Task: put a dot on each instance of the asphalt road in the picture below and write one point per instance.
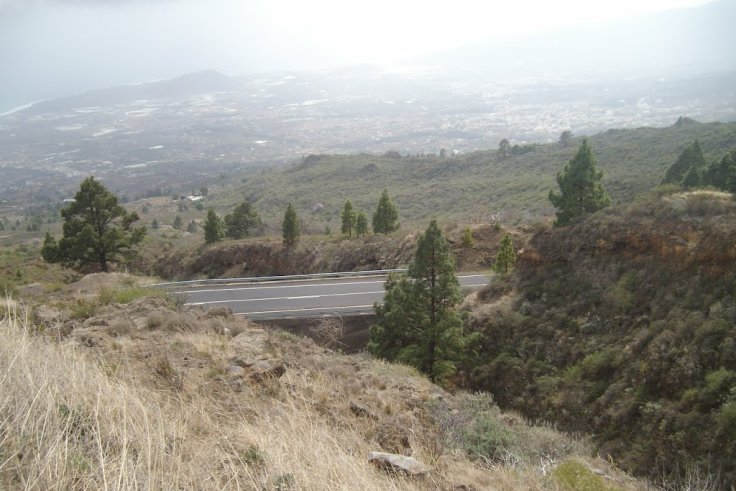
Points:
(301, 298)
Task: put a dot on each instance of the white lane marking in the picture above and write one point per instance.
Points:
(307, 286)
(302, 297)
(326, 310)
(283, 298)
(283, 286)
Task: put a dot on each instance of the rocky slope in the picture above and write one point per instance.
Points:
(624, 326)
(111, 389)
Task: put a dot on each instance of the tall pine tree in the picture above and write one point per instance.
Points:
(419, 323)
(213, 227)
(242, 222)
(693, 178)
(96, 229)
(348, 219)
(581, 191)
(691, 157)
(722, 174)
(505, 257)
(361, 224)
(290, 227)
(385, 219)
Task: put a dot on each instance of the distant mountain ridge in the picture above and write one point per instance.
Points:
(190, 84)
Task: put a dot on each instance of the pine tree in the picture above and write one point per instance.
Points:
(419, 323)
(213, 227)
(242, 222)
(290, 227)
(505, 257)
(348, 219)
(361, 224)
(504, 147)
(693, 178)
(722, 174)
(581, 190)
(565, 138)
(154, 224)
(691, 156)
(96, 229)
(467, 240)
(177, 223)
(50, 249)
(385, 219)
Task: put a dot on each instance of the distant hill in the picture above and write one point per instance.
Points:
(467, 187)
(188, 85)
(675, 41)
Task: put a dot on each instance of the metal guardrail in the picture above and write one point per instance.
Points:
(265, 279)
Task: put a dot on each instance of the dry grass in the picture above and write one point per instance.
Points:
(66, 424)
(136, 404)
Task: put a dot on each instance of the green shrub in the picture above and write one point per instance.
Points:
(726, 420)
(710, 333)
(718, 386)
(601, 364)
(486, 437)
(467, 240)
(83, 308)
(7, 287)
(574, 476)
(622, 294)
(127, 295)
(573, 373)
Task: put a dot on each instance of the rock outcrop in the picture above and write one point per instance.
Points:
(398, 463)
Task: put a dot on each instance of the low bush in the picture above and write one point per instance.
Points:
(574, 476)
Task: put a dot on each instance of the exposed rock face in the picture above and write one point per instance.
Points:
(398, 463)
(687, 227)
(264, 259)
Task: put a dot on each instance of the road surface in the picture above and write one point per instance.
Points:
(301, 298)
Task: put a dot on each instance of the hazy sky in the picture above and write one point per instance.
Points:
(56, 47)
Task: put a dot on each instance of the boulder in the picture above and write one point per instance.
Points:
(251, 342)
(398, 463)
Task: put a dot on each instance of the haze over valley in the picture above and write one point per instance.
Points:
(172, 134)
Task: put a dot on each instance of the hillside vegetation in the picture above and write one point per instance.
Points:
(623, 326)
(106, 388)
(469, 187)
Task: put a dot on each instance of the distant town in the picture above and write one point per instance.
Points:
(144, 141)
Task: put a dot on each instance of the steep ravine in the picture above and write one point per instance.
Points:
(624, 326)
